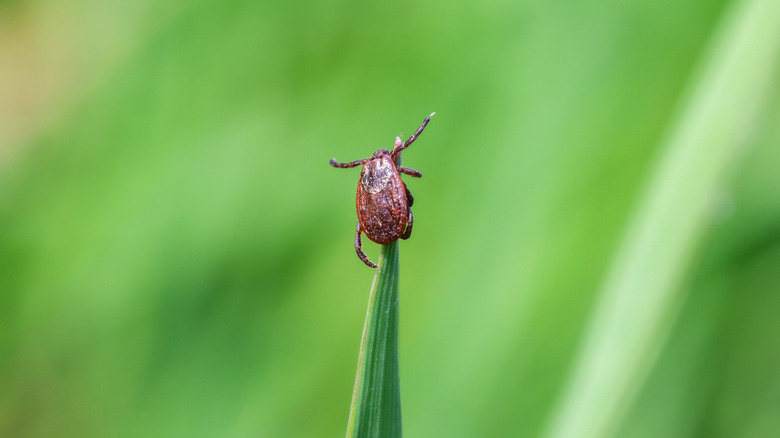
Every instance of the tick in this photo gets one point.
(383, 201)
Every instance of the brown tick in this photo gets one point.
(383, 201)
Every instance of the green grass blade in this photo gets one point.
(376, 400)
(639, 295)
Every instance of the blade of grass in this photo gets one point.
(376, 399)
(638, 299)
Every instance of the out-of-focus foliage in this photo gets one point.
(176, 255)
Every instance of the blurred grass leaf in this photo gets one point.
(637, 300)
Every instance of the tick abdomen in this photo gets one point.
(381, 201)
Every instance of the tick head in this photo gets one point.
(381, 153)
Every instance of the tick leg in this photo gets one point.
(397, 149)
(360, 253)
(409, 218)
(335, 163)
(409, 222)
(410, 172)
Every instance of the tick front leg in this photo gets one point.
(410, 172)
(358, 246)
(398, 148)
(335, 163)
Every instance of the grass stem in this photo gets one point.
(376, 399)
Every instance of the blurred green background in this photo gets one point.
(176, 254)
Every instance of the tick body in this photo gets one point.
(383, 201)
